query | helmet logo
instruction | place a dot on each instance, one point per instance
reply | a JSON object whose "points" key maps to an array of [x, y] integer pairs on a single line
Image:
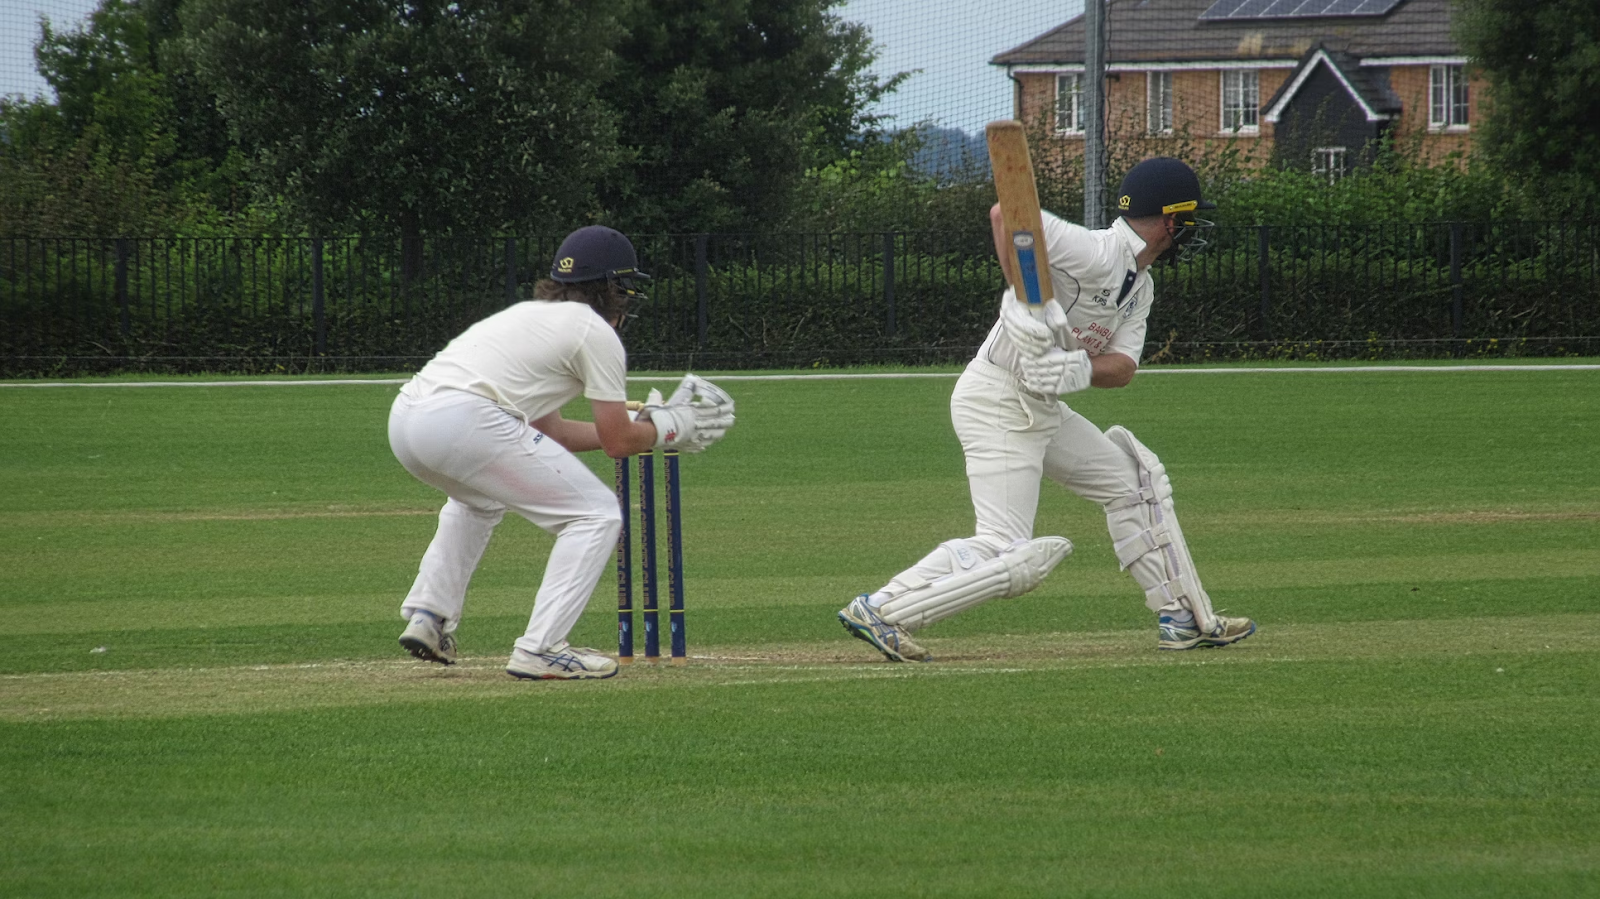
{"points": [[1124, 202], [1186, 206], [565, 265]]}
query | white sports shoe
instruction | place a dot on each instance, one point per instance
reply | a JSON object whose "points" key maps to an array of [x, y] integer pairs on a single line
{"points": [[1189, 636], [560, 662], [894, 642], [425, 638]]}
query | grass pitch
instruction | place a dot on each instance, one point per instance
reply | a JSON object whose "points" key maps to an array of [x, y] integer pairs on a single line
{"points": [[202, 694]]}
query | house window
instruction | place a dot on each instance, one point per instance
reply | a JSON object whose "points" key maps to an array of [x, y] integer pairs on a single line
{"points": [[1329, 162], [1158, 89], [1241, 100], [1447, 92], [1069, 104]]}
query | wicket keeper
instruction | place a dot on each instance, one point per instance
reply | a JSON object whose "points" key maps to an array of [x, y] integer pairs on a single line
{"points": [[482, 423]]}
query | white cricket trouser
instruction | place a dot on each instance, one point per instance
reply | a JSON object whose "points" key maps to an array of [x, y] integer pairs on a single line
{"points": [[1012, 439], [488, 460]]}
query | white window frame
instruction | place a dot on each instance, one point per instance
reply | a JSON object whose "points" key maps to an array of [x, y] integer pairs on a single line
{"points": [[1449, 103], [1330, 162], [1069, 103], [1241, 101], [1158, 102]]}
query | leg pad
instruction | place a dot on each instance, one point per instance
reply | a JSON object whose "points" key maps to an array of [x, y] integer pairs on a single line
{"points": [[1014, 572]]}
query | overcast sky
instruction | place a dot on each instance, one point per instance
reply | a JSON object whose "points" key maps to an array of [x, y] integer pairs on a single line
{"points": [[19, 30], [950, 41]]}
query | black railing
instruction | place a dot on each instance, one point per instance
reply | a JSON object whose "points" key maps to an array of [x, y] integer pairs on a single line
{"points": [[72, 305]]}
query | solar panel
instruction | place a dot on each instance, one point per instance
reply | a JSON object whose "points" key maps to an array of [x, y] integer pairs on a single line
{"points": [[1223, 10]]}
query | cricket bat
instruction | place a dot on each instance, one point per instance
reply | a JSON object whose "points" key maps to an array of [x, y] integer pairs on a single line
{"points": [[1019, 208]]}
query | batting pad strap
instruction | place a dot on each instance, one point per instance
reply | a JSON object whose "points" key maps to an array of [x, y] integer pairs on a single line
{"points": [[1178, 591], [1013, 573], [1131, 549], [913, 581], [954, 556], [947, 596], [1144, 496]]}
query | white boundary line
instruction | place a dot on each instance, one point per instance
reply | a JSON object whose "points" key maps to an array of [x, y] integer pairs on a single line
{"points": [[1368, 368], [320, 383], [841, 376]]}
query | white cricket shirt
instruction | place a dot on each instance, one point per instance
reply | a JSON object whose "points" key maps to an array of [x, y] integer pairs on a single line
{"points": [[531, 359], [1098, 283]]}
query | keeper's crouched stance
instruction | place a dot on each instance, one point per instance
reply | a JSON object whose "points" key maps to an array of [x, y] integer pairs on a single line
{"points": [[482, 423], [1015, 431]]}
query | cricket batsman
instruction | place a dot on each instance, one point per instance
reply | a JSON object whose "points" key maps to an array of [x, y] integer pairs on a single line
{"points": [[1014, 428], [482, 423]]}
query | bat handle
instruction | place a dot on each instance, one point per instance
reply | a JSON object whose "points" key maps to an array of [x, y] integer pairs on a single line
{"points": [[1028, 267]]}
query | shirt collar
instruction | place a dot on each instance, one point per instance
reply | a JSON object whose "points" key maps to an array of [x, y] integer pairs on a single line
{"points": [[1130, 237]]}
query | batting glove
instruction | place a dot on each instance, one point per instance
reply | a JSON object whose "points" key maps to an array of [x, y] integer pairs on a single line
{"points": [[1057, 372], [1032, 328]]}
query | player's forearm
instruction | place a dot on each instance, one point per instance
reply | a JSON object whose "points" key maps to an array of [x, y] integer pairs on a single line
{"points": [[638, 437], [619, 433], [1112, 370], [575, 436]]}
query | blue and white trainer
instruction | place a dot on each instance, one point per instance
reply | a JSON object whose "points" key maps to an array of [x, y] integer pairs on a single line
{"points": [[1177, 634], [863, 623], [560, 662], [424, 638]]}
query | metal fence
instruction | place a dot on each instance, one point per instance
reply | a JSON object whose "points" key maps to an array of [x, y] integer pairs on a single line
{"points": [[71, 305]]}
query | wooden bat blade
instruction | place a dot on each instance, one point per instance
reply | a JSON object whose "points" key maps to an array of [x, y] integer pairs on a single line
{"points": [[1019, 209]]}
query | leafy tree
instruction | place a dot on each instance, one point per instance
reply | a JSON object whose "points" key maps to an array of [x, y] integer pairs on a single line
{"points": [[1542, 62], [727, 103], [416, 116], [204, 156], [104, 82], [93, 162], [916, 179]]}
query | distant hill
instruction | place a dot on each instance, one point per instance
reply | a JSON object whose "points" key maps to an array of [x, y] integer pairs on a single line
{"points": [[951, 154]]}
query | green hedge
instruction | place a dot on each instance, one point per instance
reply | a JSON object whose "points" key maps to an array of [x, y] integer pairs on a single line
{"points": [[791, 300]]}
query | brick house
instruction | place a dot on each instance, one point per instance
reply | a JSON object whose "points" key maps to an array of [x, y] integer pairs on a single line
{"points": [[1309, 83]]}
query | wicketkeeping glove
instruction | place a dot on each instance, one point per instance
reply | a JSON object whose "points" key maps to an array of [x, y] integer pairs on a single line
{"points": [[713, 411], [694, 419], [1032, 328], [675, 427], [1057, 372]]}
